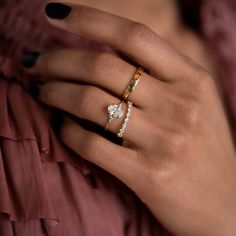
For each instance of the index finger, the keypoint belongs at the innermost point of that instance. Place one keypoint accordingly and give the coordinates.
(133, 39)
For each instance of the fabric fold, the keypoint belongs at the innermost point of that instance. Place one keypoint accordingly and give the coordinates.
(15, 103)
(24, 133)
(22, 179)
(26, 141)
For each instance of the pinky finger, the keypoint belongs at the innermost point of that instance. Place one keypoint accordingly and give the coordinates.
(120, 161)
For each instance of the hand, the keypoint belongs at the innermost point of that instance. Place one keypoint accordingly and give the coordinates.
(179, 157)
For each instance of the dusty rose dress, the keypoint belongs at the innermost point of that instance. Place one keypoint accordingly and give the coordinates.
(46, 189)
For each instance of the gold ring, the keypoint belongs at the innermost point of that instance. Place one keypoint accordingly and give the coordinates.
(133, 83)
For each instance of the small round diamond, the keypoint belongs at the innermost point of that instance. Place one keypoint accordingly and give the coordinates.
(123, 128)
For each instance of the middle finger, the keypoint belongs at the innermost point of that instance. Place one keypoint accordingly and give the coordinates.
(104, 70)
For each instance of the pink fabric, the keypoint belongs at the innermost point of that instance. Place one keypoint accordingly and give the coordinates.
(46, 189)
(219, 27)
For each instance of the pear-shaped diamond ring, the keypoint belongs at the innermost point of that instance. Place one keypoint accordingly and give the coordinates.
(115, 111)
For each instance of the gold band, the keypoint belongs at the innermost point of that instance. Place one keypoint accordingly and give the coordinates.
(133, 83)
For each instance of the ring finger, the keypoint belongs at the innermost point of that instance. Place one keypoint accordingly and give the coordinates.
(90, 103)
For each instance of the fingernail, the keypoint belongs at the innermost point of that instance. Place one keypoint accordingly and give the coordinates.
(34, 89)
(28, 60)
(57, 11)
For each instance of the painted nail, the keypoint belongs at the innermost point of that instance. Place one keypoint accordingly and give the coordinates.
(57, 11)
(28, 60)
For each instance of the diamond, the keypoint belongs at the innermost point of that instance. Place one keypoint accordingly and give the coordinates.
(115, 111)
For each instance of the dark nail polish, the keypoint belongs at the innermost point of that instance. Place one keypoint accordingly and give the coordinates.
(57, 11)
(28, 60)
(34, 89)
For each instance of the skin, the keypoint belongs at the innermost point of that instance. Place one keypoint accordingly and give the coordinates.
(163, 17)
(177, 154)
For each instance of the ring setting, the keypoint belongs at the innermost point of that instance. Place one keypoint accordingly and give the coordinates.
(115, 112)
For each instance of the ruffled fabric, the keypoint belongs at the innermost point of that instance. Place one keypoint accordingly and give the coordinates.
(26, 141)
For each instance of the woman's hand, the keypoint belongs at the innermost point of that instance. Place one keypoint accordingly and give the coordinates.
(179, 156)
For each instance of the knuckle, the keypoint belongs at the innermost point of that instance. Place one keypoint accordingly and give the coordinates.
(206, 83)
(175, 143)
(170, 141)
(186, 112)
(137, 33)
(191, 114)
(165, 178)
(203, 82)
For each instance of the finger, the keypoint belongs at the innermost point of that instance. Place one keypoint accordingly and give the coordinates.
(90, 103)
(104, 70)
(132, 38)
(119, 161)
